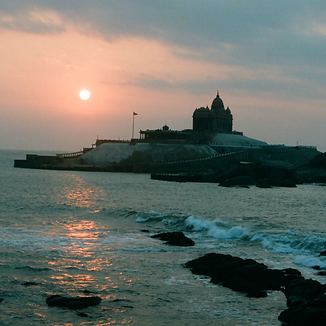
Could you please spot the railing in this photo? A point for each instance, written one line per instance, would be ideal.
(70, 155)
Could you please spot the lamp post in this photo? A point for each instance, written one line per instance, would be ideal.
(133, 125)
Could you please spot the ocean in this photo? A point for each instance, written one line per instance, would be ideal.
(87, 233)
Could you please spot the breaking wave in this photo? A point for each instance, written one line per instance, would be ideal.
(216, 229)
(311, 261)
(304, 247)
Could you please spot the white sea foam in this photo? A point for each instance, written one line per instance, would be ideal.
(309, 261)
(216, 229)
(290, 242)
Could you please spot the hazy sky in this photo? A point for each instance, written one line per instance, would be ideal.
(161, 59)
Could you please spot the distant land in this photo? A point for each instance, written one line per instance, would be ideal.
(209, 152)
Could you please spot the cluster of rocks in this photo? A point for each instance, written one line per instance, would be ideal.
(243, 275)
(260, 175)
(306, 298)
(306, 301)
(174, 239)
(276, 174)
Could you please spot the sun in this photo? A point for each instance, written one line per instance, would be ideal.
(85, 94)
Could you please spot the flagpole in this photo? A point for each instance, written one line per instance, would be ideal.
(133, 124)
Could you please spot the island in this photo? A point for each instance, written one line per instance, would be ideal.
(209, 152)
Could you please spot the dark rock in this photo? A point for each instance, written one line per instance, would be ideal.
(311, 313)
(30, 283)
(264, 183)
(72, 302)
(291, 272)
(318, 161)
(306, 301)
(257, 294)
(174, 238)
(82, 314)
(88, 291)
(287, 182)
(323, 253)
(238, 181)
(243, 275)
(1, 299)
(300, 291)
(144, 230)
(322, 273)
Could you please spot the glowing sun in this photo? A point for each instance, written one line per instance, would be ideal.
(84, 94)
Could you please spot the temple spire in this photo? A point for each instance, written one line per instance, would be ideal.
(218, 93)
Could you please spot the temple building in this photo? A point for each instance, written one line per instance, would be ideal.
(216, 119)
(206, 124)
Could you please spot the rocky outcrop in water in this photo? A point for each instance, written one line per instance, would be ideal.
(30, 283)
(174, 239)
(72, 302)
(260, 175)
(306, 301)
(243, 275)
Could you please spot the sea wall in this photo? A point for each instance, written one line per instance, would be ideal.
(142, 153)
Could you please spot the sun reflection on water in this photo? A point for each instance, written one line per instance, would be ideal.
(82, 253)
(80, 194)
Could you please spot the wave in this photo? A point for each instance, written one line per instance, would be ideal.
(311, 261)
(291, 242)
(306, 247)
(34, 269)
(279, 241)
(166, 219)
(216, 229)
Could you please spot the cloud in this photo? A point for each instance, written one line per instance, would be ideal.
(35, 21)
(259, 36)
(244, 32)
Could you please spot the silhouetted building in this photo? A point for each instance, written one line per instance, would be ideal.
(165, 135)
(206, 123)
(216, 119)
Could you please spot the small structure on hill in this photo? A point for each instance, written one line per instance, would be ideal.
(206, 124)
(216, 119)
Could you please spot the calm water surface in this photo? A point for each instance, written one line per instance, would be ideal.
(73, 233)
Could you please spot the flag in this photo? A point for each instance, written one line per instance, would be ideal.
(135, 113)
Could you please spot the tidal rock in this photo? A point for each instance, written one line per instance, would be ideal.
(30, 283)
(243, 275)
(238, 181)
(1, 299)
(322, 273)
(174, 239)
(323, 253)
(306, 301)
(88, 291)
(72, 302)
(82, 314)
(300, 291)
(311, 313)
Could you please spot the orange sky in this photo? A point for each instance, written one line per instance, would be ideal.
(42, 73)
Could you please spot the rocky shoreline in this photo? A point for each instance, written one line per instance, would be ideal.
(262, 175)
(306, 298)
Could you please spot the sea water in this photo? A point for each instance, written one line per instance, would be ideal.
(87, 233)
